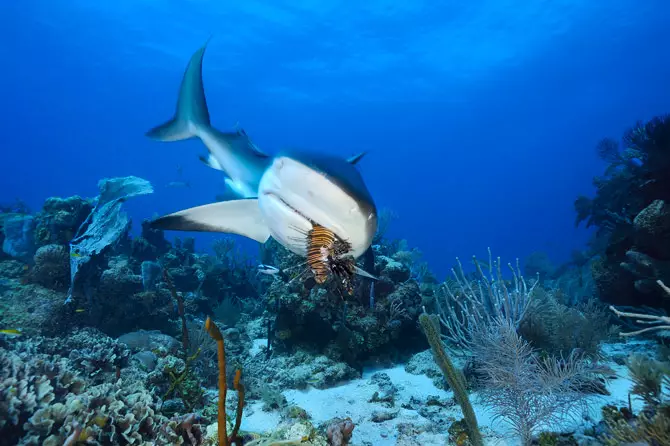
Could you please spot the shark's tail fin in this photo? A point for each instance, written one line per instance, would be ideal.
(192, 113)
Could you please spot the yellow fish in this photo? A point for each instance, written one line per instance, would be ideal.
(80, 310)
(11, 331)
(75, 254)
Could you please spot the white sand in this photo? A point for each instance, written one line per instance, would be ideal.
(351, 400)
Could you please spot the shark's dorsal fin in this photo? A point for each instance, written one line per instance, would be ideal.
(254, 148)
(356, 158)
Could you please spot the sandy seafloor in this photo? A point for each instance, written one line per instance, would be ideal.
(351, 399)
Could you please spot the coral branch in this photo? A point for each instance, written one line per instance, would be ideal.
(72, 439)
(180, 307)
(646, 318)
(215, 333)
(465, 305)
(453, 376)
(237, 384)
(665, 288)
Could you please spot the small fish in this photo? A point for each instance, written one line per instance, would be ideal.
(268, 269)
(80, 310)
(75, 255)
(179, 184)
(11, 332)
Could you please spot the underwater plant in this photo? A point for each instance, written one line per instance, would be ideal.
(651, 382)
(557, 328)
(524, 389)
(465, 306)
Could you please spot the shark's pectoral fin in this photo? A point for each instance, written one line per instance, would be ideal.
(242, 217)
(237, 189)
(211, 161)
(356, 158)
(362, 272)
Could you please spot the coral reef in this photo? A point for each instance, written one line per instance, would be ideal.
(51, 385)
(630, 212)
(355, 328)
(165, 380)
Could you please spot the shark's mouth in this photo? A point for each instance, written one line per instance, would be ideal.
(328, 256)
(283, 202)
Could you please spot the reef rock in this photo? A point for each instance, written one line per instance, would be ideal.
(151, 275)
(394, 270)
(33, 308)
(60, 219)
(652, 230)
(51, 267)
(296, 371)
(151, 244)
(119, 282)
(11, 269)
(148, 340)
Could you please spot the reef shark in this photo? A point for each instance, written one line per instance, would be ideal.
(283, 196)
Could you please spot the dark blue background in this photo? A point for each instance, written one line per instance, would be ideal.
(480, 119)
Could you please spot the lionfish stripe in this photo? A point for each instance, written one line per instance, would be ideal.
(318, 238)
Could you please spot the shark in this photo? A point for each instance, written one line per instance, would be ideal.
(283, 196)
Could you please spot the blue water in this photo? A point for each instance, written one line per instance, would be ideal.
(480, 117)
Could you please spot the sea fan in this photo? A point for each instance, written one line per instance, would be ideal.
(608, 150)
